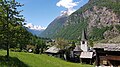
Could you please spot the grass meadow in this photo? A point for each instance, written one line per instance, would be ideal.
(21, 59)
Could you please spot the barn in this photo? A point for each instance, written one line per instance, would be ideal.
(107, 54)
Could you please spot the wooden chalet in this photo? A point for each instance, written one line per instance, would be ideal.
(107, 54)
(53, 51)
(76, 52)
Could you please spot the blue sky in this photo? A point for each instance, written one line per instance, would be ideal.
(42, 12)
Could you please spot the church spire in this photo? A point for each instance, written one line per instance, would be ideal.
(84, 37)
(84, 45)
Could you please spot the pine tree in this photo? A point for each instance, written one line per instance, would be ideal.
(10, 18)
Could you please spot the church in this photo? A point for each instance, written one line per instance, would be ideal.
(84, 51)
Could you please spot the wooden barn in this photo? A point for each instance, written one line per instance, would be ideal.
(107, 54)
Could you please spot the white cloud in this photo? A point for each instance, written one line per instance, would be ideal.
(68, 4)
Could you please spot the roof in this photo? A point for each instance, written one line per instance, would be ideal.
(84, 37)
(77, 48)
(108, 46)
(86, 55)
(53, 49)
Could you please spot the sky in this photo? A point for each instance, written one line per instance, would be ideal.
(43, 12)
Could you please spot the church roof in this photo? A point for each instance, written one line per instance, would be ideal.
(86, 55)
(84, 37)
(77, 48)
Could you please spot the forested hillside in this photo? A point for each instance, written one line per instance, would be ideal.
(100, 18)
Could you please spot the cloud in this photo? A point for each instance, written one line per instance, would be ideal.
(68, 4)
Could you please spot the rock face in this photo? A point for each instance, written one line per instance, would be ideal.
(109, 34)
(101, 18)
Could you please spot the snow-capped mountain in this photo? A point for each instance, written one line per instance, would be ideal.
(35, 29)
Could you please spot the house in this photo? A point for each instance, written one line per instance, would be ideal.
(107, 54)
(76, 52)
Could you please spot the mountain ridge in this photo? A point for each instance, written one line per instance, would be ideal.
(99, 17)
(54, 26)
(34, 29)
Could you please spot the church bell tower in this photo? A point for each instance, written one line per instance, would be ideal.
(84, 43)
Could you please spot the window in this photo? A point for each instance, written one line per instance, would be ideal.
(83, 42)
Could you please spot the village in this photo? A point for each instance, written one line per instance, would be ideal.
(101, 54)
(60, 33)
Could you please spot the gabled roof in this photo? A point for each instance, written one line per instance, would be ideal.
(108, 46)
(52, 49)
(86, 55)
(77, 48)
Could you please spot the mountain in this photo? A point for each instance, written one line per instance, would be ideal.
(54, 26)
(35, 30)
(100, 18)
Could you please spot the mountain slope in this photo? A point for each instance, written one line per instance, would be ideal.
(100, 18)
(54, 27)
(35, 32)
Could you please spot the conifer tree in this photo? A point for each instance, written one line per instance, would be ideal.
(10, 19)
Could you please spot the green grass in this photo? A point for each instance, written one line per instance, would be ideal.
(21, 59)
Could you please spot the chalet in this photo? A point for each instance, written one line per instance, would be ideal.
(76, 53)
(107, 54)
(77, 50)
(53, 51)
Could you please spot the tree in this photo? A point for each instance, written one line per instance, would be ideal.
(39, 45)
(22, 37)
(61, 43)
(10, 18)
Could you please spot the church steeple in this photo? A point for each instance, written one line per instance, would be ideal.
(84, 45)
(84, 37)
